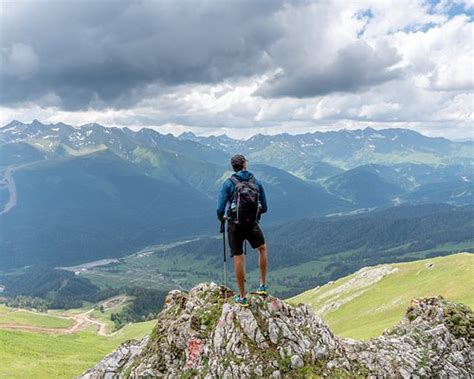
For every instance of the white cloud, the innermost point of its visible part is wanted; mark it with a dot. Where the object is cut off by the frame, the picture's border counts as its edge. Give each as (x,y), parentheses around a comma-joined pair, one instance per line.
(441,57)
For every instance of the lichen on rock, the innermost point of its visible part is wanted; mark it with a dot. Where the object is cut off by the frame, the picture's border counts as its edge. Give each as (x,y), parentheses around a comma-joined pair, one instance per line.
(199,335)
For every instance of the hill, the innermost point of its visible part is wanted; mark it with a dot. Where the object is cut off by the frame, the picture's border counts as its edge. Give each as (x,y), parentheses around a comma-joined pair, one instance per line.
(200,335)
(365,303)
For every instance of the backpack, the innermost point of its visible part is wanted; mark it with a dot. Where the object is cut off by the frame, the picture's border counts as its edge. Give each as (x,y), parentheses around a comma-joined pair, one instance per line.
(245,204)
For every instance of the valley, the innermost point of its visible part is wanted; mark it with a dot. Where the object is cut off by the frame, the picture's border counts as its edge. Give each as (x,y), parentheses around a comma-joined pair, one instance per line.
(185,266)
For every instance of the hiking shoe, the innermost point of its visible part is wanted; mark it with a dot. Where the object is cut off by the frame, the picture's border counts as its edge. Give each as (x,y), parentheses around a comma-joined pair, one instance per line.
(262,290)
(242,301)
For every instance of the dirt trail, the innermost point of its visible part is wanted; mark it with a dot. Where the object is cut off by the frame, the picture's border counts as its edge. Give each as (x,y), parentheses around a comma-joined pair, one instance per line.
(81,321)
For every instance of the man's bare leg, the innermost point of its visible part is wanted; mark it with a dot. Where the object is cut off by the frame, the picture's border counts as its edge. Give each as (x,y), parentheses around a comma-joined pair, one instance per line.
(262,263)
(239,273)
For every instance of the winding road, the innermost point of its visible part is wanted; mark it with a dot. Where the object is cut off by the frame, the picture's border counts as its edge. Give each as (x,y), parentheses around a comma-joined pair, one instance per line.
(81,321)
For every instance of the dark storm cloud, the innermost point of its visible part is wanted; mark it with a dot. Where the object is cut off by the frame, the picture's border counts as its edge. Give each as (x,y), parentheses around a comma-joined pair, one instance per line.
(99,54)
(356,66)
(110,53)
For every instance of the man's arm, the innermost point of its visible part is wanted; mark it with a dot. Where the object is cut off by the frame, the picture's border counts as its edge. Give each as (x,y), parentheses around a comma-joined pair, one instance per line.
(263,199)
(222,199)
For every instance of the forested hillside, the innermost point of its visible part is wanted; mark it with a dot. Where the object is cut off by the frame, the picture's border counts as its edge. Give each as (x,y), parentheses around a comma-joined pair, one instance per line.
(71,194)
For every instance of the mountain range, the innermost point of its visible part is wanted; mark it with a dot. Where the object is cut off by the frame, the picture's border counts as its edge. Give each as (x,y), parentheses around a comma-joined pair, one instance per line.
(69,194)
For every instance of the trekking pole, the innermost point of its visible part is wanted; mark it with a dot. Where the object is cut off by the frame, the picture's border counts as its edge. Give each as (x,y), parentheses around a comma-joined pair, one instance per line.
(225,259)
(245,261)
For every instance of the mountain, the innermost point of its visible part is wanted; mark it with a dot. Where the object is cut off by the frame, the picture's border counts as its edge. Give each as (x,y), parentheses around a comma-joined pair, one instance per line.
(21,152)
(345,148)
(365,303)
(291,197)
(199,334)
(402,157)
(456,191)
(72,210)
(64,188)
(60,137)
(363,187)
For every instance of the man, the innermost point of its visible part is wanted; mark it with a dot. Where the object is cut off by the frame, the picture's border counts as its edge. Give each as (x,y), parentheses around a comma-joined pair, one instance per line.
(247,202)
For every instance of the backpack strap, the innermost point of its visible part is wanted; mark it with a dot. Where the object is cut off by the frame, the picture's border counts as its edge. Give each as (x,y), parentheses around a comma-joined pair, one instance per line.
(234,180)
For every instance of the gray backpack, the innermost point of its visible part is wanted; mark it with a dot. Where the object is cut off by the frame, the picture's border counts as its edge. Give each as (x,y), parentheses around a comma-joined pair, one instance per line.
(245,204)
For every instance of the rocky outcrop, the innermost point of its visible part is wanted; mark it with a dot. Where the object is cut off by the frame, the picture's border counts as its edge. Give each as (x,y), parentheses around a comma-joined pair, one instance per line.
(118,361)
(200,335)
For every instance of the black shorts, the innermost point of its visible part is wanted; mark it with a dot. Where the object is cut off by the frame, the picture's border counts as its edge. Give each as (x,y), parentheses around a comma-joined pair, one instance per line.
(238,233)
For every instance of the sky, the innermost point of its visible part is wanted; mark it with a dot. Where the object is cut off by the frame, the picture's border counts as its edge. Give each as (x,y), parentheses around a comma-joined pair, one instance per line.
(240,67)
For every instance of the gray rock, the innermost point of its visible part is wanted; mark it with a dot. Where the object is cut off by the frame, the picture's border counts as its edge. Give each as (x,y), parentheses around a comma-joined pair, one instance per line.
(296,361)
(271,335)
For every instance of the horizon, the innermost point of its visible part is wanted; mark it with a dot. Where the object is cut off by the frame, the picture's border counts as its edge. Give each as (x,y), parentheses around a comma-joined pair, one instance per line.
(272,67)
(193,132)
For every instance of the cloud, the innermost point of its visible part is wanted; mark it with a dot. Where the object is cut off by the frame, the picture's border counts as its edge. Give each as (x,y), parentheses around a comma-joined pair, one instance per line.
(239,67)
(355,67)
(109,54)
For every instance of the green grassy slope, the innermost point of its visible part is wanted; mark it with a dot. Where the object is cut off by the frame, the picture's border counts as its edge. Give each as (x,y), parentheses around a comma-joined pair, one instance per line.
(20,317)
(35,354)
(38,355)
(357,310)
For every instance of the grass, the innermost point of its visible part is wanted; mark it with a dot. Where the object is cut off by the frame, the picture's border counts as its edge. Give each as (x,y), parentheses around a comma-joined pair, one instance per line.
(36,355)
(384,303)
(12,316)
(40,355)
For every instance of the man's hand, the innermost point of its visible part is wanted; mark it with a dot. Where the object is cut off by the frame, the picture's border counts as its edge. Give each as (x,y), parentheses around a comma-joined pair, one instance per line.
(222,219)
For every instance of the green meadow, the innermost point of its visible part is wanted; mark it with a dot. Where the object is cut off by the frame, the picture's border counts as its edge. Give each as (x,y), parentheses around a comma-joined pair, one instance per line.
(23,317)
(39,355)
(365,311)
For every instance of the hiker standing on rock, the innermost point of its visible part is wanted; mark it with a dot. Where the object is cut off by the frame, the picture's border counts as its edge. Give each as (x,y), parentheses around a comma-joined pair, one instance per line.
(246,202)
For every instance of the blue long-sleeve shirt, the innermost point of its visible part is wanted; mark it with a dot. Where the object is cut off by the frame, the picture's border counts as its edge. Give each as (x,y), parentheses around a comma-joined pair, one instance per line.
(226,193)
